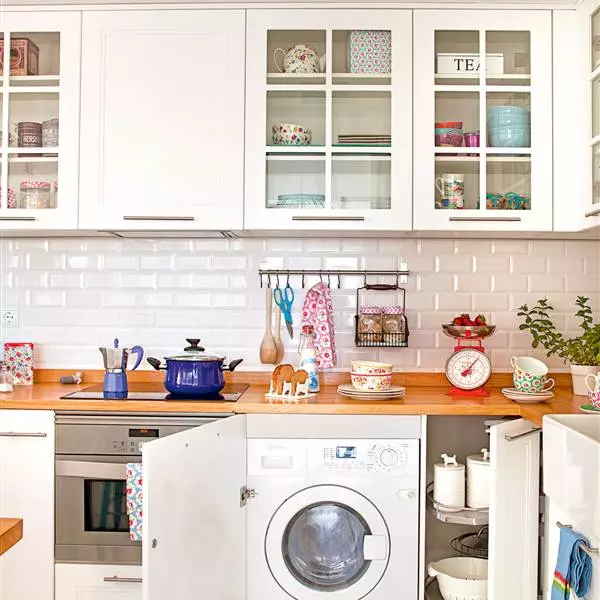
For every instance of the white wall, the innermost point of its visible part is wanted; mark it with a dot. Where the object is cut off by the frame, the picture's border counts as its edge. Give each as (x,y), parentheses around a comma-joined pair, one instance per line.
(74,295)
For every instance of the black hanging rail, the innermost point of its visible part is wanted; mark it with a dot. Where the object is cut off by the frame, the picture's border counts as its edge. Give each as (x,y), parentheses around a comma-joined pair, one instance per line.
(400,275)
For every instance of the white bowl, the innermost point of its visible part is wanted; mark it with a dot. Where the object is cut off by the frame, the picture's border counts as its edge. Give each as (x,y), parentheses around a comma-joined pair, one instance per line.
(370,368)
(461,578)
(374,382)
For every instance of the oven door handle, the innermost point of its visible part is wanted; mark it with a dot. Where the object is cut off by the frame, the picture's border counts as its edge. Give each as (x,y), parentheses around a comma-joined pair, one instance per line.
(89,470)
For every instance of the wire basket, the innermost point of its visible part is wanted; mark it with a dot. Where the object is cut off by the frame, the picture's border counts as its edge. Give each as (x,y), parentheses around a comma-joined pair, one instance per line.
(381,339)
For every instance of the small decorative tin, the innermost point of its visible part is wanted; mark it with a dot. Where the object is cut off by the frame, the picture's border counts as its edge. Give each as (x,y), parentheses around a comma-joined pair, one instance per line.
(24,57)
(50,133)
(370,52)
(29,135)
(19,357)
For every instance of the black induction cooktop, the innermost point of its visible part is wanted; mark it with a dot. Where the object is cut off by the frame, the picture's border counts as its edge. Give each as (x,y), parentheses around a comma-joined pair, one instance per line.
(143,391)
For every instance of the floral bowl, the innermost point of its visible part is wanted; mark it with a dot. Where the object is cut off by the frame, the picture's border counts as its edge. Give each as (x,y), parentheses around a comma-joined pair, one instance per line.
(367,367)
(290,134)
(375,382)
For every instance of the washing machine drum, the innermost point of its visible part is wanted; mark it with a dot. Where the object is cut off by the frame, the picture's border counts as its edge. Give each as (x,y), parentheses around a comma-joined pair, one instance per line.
(327,542)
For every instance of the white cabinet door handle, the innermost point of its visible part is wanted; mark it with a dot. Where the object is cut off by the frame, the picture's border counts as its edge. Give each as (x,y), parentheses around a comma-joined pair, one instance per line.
(32,434)
(307,218)
(486,219)
(116,579)
(156,218)
(17,219)
(593,213)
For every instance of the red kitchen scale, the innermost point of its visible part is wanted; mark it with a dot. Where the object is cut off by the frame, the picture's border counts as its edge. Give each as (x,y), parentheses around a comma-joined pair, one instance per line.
(468,368)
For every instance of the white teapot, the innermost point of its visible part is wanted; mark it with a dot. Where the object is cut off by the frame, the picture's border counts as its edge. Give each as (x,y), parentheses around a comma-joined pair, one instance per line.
(301,58)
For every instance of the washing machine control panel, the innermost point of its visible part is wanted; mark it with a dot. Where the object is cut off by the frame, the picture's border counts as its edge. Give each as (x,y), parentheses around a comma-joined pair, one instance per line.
(362,456)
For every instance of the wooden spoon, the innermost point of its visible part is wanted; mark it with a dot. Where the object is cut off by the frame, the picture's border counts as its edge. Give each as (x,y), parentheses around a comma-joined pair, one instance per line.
(280,350)
(268,351)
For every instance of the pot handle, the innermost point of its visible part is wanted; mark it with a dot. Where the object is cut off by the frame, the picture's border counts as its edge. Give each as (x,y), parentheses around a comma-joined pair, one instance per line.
(233,364)
(155,363)
(140,354)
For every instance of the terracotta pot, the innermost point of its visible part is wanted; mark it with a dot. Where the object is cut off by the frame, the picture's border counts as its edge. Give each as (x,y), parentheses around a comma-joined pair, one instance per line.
(578,374)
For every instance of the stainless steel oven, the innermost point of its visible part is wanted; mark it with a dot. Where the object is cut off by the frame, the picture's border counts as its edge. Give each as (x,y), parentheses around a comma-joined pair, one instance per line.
(92,451)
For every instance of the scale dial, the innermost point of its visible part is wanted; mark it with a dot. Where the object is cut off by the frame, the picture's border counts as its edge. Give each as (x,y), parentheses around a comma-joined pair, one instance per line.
(468,369)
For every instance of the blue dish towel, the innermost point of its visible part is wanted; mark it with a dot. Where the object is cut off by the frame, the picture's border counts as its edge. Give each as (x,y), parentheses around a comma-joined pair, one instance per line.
(573,567)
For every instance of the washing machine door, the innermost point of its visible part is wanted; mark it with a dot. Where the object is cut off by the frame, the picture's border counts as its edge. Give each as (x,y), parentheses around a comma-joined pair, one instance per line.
(327,541)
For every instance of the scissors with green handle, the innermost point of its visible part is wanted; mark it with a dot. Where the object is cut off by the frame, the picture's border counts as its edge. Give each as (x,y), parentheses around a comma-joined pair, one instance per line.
(284,299)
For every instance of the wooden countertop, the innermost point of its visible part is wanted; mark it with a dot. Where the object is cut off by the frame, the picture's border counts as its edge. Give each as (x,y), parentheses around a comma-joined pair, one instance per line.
(426,400)
(11,531)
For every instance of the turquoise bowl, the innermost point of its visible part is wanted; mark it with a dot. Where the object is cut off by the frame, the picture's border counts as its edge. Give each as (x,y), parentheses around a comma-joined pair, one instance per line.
(509,137)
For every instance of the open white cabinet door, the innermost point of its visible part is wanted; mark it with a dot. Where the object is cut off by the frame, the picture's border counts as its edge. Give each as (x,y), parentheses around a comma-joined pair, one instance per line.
(514,511)
(194,538)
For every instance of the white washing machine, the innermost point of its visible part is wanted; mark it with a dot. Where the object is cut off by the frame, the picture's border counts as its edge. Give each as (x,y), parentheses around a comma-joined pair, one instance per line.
(334,518)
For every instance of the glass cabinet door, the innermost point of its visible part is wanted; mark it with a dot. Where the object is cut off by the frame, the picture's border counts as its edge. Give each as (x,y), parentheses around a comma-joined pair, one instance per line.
(483,124)
(595,93)
(328,140)
(39,127)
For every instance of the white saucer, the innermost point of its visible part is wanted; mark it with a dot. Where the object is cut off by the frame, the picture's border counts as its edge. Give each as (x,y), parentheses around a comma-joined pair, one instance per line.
(348,391)
(527,398)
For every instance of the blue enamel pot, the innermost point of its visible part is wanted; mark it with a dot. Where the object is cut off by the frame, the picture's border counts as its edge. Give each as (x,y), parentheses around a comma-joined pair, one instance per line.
(194,373)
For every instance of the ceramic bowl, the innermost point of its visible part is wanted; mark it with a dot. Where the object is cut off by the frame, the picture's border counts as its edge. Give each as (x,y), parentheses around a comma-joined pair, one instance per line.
(450,137)
(375,382)
(509,137)
(366,367)
(290,134)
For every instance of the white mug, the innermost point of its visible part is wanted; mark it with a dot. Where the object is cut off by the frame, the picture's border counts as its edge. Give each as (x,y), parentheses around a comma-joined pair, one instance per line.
(595,387)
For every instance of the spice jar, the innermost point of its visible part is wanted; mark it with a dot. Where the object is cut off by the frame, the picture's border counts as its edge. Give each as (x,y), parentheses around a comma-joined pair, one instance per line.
(6,378)
(50,133)
(392,319)
(29,135)
(35,194)
(369,322)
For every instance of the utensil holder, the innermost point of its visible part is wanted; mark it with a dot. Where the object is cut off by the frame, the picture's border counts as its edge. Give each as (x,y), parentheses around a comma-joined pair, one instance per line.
(381,339)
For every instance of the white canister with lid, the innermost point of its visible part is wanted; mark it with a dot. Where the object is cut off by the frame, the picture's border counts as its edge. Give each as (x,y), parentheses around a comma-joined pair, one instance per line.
(478,479)
(449,483)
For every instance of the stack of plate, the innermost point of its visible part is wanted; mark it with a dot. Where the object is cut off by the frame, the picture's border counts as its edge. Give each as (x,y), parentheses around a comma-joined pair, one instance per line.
(359,139)
(527,397)
(393,392)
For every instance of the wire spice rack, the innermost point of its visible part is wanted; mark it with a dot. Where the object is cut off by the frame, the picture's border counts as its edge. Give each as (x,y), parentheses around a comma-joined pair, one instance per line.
(381,338)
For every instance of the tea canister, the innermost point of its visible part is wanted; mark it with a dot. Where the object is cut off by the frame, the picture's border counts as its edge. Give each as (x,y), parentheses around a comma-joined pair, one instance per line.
(50,133)
(392,319)
(449,483)
(29,135)
(478,479)
(19,357)
(35,194)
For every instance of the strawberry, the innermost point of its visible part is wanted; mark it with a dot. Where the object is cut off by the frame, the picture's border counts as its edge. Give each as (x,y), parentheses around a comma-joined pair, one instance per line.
(480,320)
(458,321)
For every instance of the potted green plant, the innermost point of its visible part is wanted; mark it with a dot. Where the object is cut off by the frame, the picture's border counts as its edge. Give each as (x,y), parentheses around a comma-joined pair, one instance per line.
(582,353)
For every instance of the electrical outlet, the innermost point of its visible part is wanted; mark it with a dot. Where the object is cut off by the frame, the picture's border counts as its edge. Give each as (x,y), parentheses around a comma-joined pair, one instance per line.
(9,318)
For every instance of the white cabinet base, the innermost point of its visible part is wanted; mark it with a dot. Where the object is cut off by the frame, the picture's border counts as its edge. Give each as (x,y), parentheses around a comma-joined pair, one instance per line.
(89,582)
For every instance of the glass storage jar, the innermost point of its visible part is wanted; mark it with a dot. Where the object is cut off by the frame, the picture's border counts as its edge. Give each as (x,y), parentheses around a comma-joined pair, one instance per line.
(6,378)
(50,133)
(392,319)
(35,194)
(369,323)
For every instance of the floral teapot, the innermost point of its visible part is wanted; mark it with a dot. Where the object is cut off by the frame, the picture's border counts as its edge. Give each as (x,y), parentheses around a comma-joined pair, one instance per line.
(301,58)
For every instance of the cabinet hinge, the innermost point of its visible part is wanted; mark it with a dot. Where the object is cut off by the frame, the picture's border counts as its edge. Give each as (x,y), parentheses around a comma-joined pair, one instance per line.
(246,494)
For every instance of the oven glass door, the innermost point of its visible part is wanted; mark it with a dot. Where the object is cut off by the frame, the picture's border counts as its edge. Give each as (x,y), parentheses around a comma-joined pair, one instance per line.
(91,510)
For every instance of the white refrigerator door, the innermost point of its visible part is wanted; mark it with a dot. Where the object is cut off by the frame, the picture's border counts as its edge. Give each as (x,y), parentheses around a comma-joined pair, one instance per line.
(194,536)
(514,511)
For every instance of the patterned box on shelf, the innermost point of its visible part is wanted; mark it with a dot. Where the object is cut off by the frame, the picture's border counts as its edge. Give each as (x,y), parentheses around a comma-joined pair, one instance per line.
(19,357)
(370,52)
(24,57)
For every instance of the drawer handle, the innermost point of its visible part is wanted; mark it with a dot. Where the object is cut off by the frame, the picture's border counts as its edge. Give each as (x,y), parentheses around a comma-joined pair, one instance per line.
(116,579)
(33,434)
(593,213)
(484,219)
(303,218)
(142,218)
(512,438)
(17,218)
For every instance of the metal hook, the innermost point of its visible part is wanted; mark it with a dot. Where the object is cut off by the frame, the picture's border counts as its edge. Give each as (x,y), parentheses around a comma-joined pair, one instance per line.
(329,280)
(397,280)
(277,275)
(365,276)
(269,281)
(302,280)
(260,276)
(321,276)
(287,283)
(339,280)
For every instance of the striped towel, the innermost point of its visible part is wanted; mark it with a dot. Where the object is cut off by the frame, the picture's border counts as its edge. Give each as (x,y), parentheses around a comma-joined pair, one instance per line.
(573,567)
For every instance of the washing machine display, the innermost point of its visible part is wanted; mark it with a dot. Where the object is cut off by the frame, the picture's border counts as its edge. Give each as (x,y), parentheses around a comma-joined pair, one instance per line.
(345,451)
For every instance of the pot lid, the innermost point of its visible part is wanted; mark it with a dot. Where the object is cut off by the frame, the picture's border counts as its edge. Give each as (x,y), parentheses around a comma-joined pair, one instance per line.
(195,352)
(480,459)
(449,462)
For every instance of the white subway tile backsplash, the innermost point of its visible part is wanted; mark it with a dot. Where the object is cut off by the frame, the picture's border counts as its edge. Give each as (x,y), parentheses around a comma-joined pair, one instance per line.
(75,294)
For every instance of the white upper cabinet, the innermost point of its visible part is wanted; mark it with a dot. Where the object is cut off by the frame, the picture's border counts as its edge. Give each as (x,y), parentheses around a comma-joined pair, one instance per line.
(39,111)
(162,120)
(483,137)
(591,14)
(328,120)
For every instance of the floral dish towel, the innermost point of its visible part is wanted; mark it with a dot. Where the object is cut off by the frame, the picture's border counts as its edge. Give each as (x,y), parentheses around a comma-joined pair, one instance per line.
(134,501)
